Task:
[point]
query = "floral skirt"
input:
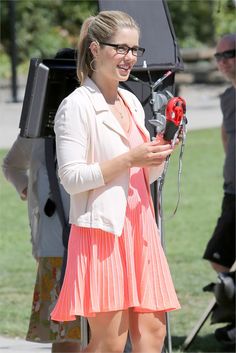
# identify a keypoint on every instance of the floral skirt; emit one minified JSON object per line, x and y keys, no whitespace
{"x":46,"y":291}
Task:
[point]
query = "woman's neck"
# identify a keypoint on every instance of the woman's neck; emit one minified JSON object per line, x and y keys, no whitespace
{"x":108,"y":88}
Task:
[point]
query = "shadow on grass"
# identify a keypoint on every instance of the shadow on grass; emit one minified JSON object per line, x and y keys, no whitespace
{"x":202,"y":344}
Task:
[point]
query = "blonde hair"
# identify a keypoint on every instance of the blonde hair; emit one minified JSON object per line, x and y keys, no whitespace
{"x":100,"y":28}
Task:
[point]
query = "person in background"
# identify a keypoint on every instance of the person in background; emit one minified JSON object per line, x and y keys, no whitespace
{"x":117,"y":275}
{"x":25,"y":168}
{"x":220,"y":250}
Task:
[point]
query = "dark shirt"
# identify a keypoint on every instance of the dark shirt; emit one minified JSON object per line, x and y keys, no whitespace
{"x":228,"y":103}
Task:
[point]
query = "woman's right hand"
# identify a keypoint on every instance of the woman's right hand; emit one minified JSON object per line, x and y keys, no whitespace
{"x":23,"y":194}
{"x":150,"y":154}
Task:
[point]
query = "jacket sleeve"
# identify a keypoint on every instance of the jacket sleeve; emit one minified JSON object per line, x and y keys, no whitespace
{"x":76,"y":173}
{"x":15,"y":165}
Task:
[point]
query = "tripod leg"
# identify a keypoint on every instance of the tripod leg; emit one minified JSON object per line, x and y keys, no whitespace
{"x":203,"y":319}
{"x":168,"y":332}
{"x":199,"y":325}
{"x":84,"y":332}
{"x":159,"y":217}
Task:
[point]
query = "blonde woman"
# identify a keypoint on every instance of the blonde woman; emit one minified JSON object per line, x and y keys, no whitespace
{"x":117,"y":275}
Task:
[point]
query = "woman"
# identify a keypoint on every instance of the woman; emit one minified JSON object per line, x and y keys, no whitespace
{"x":116,"y":276}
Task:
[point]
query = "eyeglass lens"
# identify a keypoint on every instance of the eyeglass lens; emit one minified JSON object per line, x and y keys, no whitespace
{"x":123,"y":49}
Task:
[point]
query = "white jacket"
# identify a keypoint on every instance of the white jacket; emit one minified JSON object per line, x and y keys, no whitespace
{"x":87,"y":133}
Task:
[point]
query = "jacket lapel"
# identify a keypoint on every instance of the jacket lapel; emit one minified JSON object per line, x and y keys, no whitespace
{"x":134,"y":113}
{"x":103,"y":112}
{"x":101,"y":107}
{"x":110,"y":121}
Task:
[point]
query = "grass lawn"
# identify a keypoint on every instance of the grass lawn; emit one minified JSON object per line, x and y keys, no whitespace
{"x":186,"y":235}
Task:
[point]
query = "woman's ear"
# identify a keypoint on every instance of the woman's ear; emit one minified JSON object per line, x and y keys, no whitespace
{"x":94,"y":48}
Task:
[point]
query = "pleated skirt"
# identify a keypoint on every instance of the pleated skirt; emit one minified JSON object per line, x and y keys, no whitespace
{"x":110,"y":273}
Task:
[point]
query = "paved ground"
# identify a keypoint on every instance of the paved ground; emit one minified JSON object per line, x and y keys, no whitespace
{"x":201,"y":99}
{"x":202,"y":112}
{"x":16,"y":345}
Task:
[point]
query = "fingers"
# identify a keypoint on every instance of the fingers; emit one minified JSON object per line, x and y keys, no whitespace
{"x":157,"y":157}
{"x":158,"y":153}
{"x":150,"y":153}
{"x":155,"y":147}
{"x":23,"y":194}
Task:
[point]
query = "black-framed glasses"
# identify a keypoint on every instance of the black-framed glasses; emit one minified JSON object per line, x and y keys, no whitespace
{"x":124,"y":49}
{"x":228,"y":54}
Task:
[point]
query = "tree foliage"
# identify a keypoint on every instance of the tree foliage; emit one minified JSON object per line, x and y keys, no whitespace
{"x":202,"y":22}
{"x":44,"y":26}
{"x":192,"y":21}
{"x":225,"y":17}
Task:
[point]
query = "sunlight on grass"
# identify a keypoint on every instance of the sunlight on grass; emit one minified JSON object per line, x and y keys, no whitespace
{"x":17,"y":265}
{"x":186,"y":235}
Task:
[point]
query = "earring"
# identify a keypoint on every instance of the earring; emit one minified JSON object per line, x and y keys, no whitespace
{"x":92,"y":65}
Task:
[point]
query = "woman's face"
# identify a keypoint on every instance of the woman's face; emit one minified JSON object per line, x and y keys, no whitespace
{"x":113,"y":65}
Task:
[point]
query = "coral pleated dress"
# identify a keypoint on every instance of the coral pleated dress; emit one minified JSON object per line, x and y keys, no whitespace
{"x":108,"y":273}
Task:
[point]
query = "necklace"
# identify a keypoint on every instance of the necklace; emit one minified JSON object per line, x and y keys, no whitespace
{"x":121,"y":110}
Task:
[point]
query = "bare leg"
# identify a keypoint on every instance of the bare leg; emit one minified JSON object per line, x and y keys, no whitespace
{"x":66,"y":347}
{"x":108,"y":332}
{"x":147,"y":331}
